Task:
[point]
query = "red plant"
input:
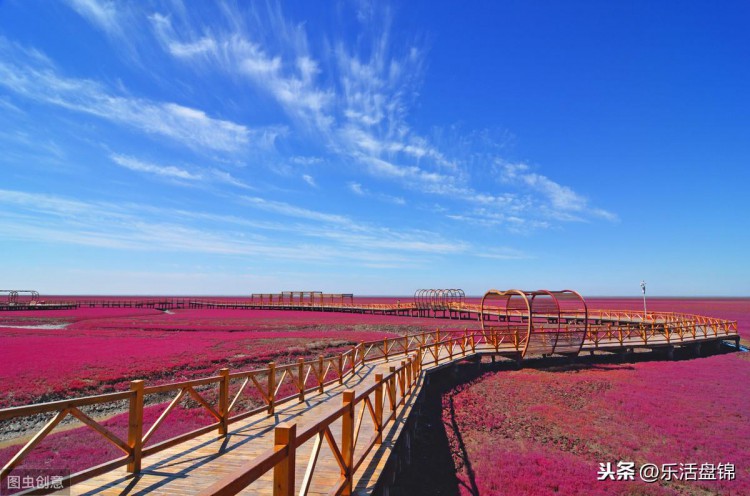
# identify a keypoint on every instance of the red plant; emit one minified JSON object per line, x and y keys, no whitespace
{"x":546,"y":431}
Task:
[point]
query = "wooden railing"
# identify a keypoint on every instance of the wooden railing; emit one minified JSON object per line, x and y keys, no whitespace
{"x":272,"y":386}
{"x":381,"y":401}
{"x":620,"y":326}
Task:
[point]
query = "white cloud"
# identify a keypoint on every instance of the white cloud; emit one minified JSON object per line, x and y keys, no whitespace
{"x":49,"y":218}
{"x":293,"y":211}
{"x":290,"y":80}
{"x":359,"y":190}
{"x":192,"y":127}
{"x":563,"y":202}
{"x":356,"y":188}
{"x":300,"y":160}
{"x":160,"y":170}
{"x":197,"y":175}
{"x":101,"y":13}
{"x":354,"y":99}
{"x":309,"y":180}
{"x":503,"y":254}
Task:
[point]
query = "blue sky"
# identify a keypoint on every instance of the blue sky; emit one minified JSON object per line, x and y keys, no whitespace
{"x":228,"y":148}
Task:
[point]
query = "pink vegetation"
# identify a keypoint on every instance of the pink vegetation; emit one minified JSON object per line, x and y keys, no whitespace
{"x":546,"y":431}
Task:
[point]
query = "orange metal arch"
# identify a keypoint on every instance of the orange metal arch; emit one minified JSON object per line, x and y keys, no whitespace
{"x":438,"y":299}
{"x":541,"y":322}
{"x":575,"y":316}
{"x":545,"y":322}
{"x":506,"y":326}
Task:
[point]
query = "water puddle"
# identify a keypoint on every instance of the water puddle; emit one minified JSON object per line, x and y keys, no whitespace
{"x":37,"y":326}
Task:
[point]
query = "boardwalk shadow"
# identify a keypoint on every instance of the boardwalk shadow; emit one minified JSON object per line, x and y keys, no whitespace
{"x":433,"y":469}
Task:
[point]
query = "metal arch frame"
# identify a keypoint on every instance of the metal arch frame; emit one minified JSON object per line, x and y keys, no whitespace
{"x":431,"y":295}
{"x":13,"y":295}
{"x":459,"y":293}
{"x":10,"y":294}
{"x":507,"y":296}
{"x":438,"y":299}
{"x":418,"y":298}
{"x":534,"y":315}
{"x":580,"y":298}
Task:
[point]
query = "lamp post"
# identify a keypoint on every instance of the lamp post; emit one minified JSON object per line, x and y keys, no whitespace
{"x":643,"y":288}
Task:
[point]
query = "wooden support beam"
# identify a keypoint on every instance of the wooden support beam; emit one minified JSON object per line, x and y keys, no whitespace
{"x":301,"y":379}
{"x":321,"y":377}
{"x":223,"y":401}
{"x":341,"y":368}
{"x":347,"y":442}
{"x":283,"y":472}
{"x":379,"y":408}
{"x":271,"y":387}
{"x":135,"y":427}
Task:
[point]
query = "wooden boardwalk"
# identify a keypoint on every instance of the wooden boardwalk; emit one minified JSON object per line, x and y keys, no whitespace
{"x":201,"y":464}
{"x":195,"y":465}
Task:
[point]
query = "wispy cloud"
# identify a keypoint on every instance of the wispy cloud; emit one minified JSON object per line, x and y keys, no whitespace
{"x":309,"y":180}
{"x":503,"y":254}
{"x":562,"y":201}
{"x":303,"y":160}
{"x":101,"y":13}
{"x":173,"y":172}
{"x":289,"y":80}
{"x":50,"y":218}
{"x":31,"y":75}
{"x":360,"y":190}
{"x":289,"y":210}
{"x":354,"y":99}
{"x":160,"y":170}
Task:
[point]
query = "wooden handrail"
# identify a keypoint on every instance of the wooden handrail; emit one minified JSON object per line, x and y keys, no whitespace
{"x":283,"y":465}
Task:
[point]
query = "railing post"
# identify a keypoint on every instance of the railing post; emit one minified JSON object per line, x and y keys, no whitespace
{"x":285,"y":436}
{"x":135,"y":426}
{"x":402,"y":381}
{"x":406,"y":345}
{"x":301,"y":378}
{"x":320,"y":373}
{"x":341,"y":368}
{"x":409,"y":367}
{"x":354,"y":360}
{"x":271,"y":387}
{"x":437,"y":352}
{"x":362,"y":353}
{"x":392,"y":388}
{"x":224,"y":401}
{"x":473,"y":344}
{"x":347,"y":441}
{"x":385,"y":349}
{"x":379,"y":408}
